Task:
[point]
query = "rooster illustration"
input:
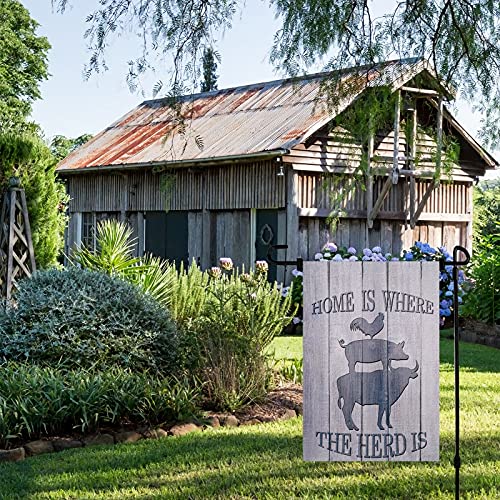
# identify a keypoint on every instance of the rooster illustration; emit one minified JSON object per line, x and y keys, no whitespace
{"x":369,"y":329}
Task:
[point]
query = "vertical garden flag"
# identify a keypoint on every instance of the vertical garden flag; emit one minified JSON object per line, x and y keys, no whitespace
{"x":371,"y":361}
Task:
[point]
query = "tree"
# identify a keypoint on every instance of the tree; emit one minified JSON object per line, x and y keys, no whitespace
{"x":210,"y":58}
{"x":461,"y":38}
{"x":61,"y":146}
{"x":23,"y":65}
{"x":486,"y":209}
{"x":26,"y":156}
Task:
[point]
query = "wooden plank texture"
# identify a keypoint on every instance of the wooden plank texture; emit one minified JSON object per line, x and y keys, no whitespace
{"x":371,"y":361}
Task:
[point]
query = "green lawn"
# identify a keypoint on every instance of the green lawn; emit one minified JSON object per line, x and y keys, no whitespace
{"x":265,"y":461}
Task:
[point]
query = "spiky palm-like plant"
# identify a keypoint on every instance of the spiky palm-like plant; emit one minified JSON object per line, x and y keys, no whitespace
{"x":114,"y":255}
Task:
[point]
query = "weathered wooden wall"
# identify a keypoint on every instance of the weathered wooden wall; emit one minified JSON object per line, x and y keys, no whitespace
{"x":314,"y":197}
{"x":390,"y":235}
{"x":247,"y":185}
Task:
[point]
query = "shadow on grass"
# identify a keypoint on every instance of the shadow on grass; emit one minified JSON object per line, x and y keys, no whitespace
{"x":473,"y":357}
{"x":253,"y":463}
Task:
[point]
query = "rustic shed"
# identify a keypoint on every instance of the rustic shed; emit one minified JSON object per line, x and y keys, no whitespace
{"x":248,"y":168}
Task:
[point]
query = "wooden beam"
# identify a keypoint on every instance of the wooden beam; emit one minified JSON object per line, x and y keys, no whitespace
{"x":395,"y":160}
{"x":424,"y":199}
{"x":381,"y":197}
{"x":415,"y":90}
{"x":400,"y":215}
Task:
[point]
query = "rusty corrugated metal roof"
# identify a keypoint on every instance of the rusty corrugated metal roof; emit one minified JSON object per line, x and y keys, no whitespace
{"x":245,"y":120}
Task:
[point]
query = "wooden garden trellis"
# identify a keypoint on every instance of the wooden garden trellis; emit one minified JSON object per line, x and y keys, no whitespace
{"x":17,"y":258}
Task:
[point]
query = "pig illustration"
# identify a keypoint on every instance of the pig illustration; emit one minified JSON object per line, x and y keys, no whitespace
{"x":370,"y":351}
{"x":370,"y":388}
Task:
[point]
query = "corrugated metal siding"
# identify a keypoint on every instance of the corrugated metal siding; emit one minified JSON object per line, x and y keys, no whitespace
{"x":250,"y":185}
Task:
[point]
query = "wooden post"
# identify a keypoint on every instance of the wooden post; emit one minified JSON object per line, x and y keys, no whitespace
{"x":369,"y":183}
{"x":395,"y":159}
{"x":439,"y":138}
{"x":292,"y":220}
{"x":17,"y":258}
{"x":413,"y":154}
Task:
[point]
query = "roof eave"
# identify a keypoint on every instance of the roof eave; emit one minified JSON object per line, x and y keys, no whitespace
{"x":161,"y":165}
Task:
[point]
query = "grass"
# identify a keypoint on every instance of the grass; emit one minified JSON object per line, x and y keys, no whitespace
{"x":265,"y":461}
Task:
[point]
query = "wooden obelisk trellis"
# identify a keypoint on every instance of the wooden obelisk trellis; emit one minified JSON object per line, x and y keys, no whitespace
{"x":17,"y":258}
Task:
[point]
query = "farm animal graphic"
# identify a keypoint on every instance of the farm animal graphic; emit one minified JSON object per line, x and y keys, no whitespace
{"x":370,"y":351}
{"x":369,"y":329}
{"x":381,"y":387}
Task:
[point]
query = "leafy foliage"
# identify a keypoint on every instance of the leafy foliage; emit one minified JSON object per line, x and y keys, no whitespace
{"x":114,"y":255}
{"x":80,"y":318}
{"x":461,"y":40}
{"x":486,"y":209}
{"x":46,"y":401}
{"x":24,"y":155}
{"x":483,"y":301}
{"x":61,"y":146}
{"x":241,"y":316}
{"x":23,"y":65}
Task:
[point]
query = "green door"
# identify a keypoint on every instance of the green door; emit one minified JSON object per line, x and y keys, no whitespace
{"x":266,"y":228}
{"x":167,"y":236}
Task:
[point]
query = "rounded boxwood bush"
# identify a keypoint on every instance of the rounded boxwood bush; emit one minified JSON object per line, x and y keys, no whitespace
{"x":79,"y":318}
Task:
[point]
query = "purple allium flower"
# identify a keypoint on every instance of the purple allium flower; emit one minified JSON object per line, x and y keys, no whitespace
{"x":226,"y":263}
{"x":261,"y":266}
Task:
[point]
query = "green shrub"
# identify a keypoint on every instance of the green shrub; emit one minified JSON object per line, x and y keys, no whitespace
{"x":78,"y":318}
{"x":42,"y":401}
{"x":241,"y":316}
{"x":483,"y":301}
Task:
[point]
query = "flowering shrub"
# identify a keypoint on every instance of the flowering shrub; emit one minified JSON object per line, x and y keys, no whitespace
{"x":418,"y":252}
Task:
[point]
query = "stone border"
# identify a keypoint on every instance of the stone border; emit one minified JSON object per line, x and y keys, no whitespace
{"x":51,"y":445}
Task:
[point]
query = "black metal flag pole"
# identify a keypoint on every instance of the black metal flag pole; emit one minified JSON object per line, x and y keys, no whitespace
{"x":456,"y":357}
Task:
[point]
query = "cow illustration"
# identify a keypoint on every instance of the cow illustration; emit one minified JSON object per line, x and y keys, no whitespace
{"x":370,"y":351}
{"x":381,"y":387}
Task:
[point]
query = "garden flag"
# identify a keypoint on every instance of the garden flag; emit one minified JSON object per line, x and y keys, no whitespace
{"x":371,"y":361}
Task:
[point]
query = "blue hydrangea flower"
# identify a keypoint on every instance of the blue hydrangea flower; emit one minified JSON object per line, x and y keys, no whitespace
{"x":353,"y":258}
{"x":367,"y":252}
{"x":409,"y":256}
{"x":366,"y":258}
{"x":377,"y":250}
{"x":351,"y":250}
{"x":332,"y":247}
{"x":337,"y":257}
